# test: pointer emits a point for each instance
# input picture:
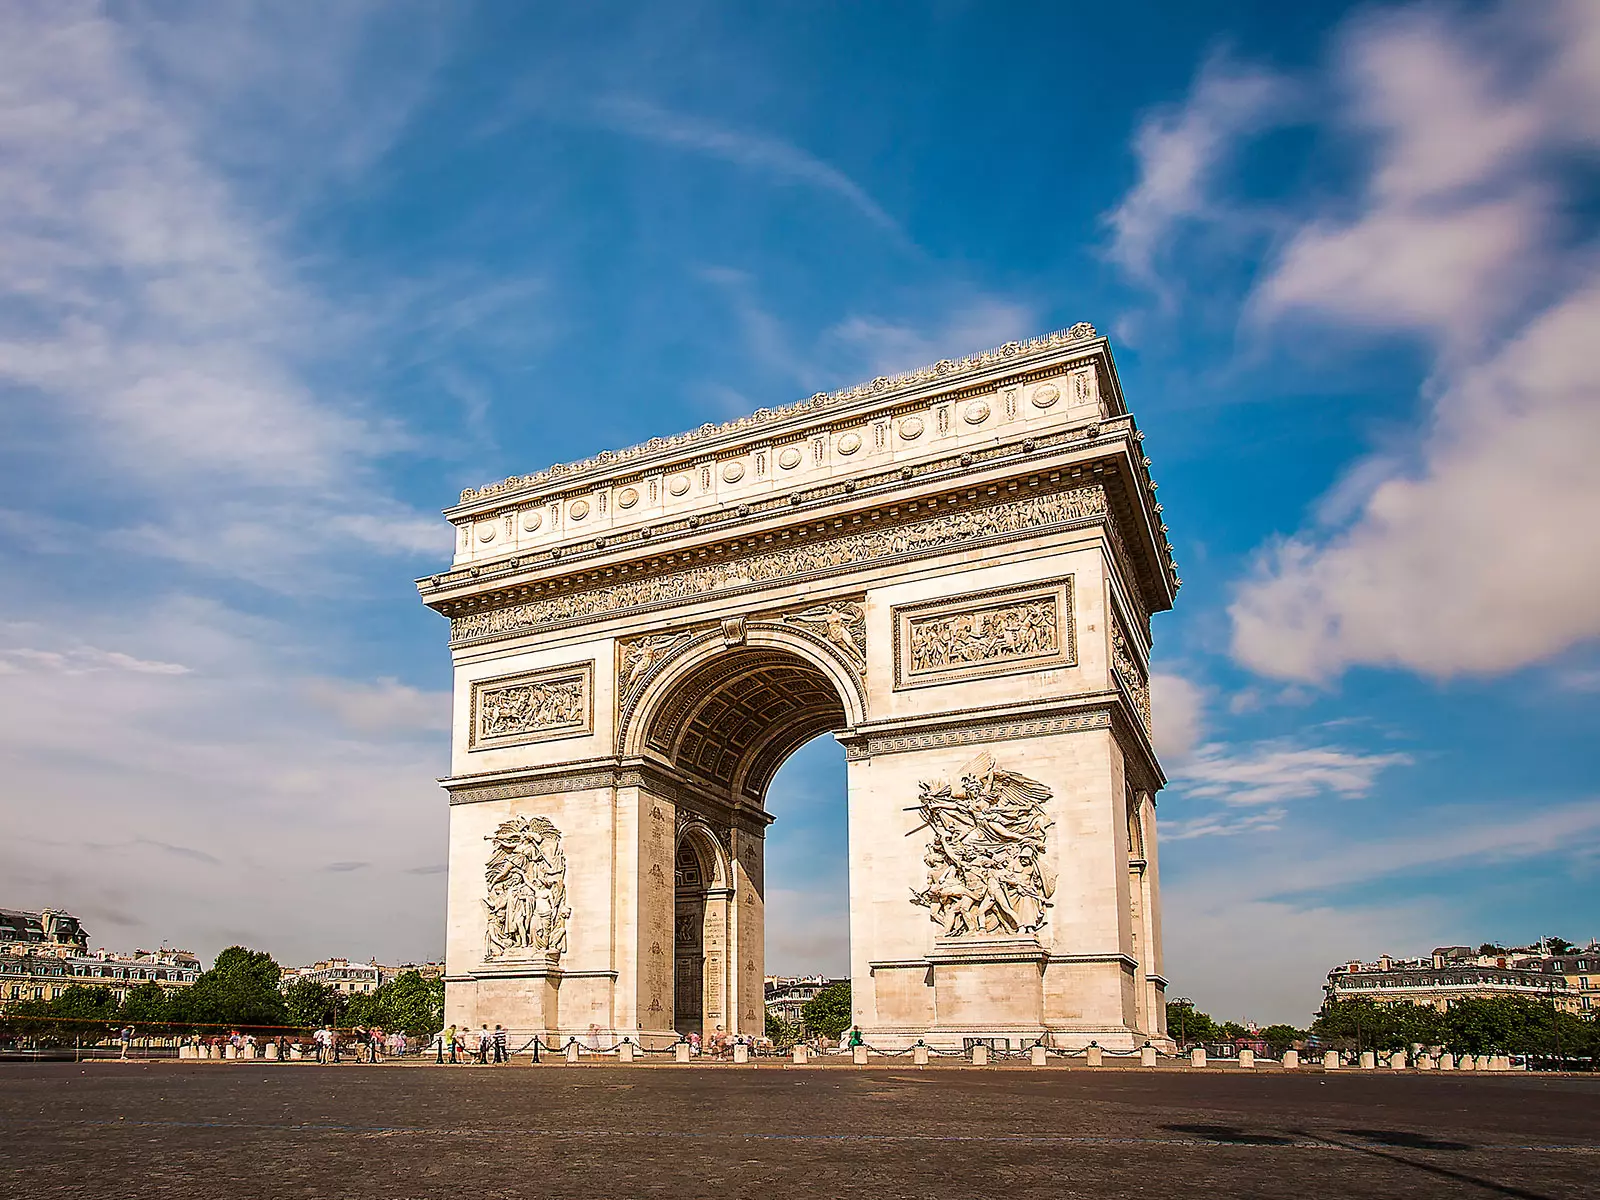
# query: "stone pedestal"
(1484, 1063)
(1147, 1056)
(625, 1051)
(980, 1055)
(681, 1052)
(1447, 1061)
(986, 985)
(1094, 1056)
(858, 1055)
(800, 1054)
(1247, 1058)
(1330, 1060)
(1369, 1061)
(1467, 1063)
(1291, 1060)
(1197, 1057)
(295, 1053)
(919, 1055)
(573, 1050)
(741, 1052)
(230, 1051)
(1397, 1061)
(272, 1051)
(1038, 1056)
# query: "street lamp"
(1185, 1005)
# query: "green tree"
(146, 1008)
(1559, 945)
(780, 1032)
(1491, 948)
(311, 1004)
(412, 1003)
(240, 989)
(1188, 1025)
(829, 1012)
(82, 1012)
(1282, 1037)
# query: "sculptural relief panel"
(537, 706)
(1023, 628)
(1130, 671)
(526, 883)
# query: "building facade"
(44, 953)
(1453, 973)
(352, 979)
(787, 995)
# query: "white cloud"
(1476, 554)
(385, 706)
(1179, 152)
(1273, 772)
(763, 153)
(880, 346)
(1177, 709)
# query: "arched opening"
(724, 722)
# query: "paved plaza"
(236, 1130)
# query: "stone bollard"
(979, 1055)
(1094, 1056)
(1291, 1060)
(1467, 1063)
(858, 1055)
(272, 1051)
(1369, 1061)
(1330, 1060)
(231, 1051)
(1484, 1063)
(1197, 1057)
(799, 1054)
(1247, 1058)
(248, 1052)
(1147, 1055)
(919, 1055)
(1397, 1061)
(680, 1052)
(625, 1051)
(1038, 1056)
(1500, 1062)
(1447, 1061)
(741, 1053)
(573, 1050)
(1425, 1062)
(295, 1053)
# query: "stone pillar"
(1147, 1056)
(1094, 1056)
(1369, 1061)
(858, 1056)
(800, 1054)
(680, 1052)
(741, 1053)
(625, 1051)
(1447, 1061)
(980, 1055)
(919, 1055)
(1291, 1060)
(1197, 1057)
(1038, 1056)
(1247, 1058)
(1330, 1060)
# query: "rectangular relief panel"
(997, 632)
(535, 706)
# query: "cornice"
(708, 437)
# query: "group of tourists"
(464, 1045)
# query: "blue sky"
(277, 281)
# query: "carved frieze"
(526, 878)
(636, 657)
(986, 840)
(1033, 514)
(843, 623)
(1023, 628)
(536, 706)
(1130, 671)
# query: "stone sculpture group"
(985, 859)
(527, 883)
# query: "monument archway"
(952, 572)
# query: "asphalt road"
(292, 1130)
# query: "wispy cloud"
(387, 705)
(764, 154)
(1274, 772)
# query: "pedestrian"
(484, 1041)
(400, 1043)
(333, 1043)
(319, 1038)
(500, 1043)
(451, 1041)
(694, 1044)
(125, 1036)
(374, 1044)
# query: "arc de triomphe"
(953, 572)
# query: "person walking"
(333, 1044)
(500, 1043)
(374, 1045)
(320, 1039)
(484, 1041)
(125, 1036)
(450, 1044)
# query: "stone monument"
(952, 571)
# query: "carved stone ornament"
(1022, 628)
(986, 871)
(526, 877)
(944, 369)
(1130, 672)
(527, 708)
(841, 622)
(637, 657)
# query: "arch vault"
(953, 572)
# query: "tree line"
(240, 991)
